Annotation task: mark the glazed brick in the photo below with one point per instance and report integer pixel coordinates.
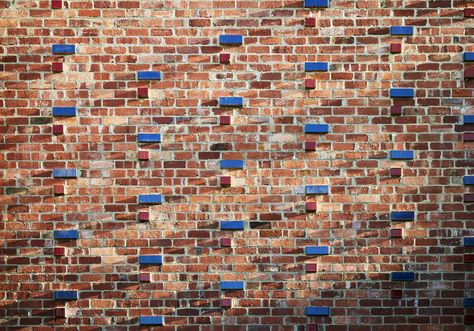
(317, 189)
(230, 39)
(316, 66)
(401, 30)
(64, 111)
(64, 49)
(468, 241)
(232, 225)
(149, 138)
(402, 93)
(468, 302)
(468, 119)
(316, 250)
(403, 276)
(66, 234)
(468, 56)
(65, 295)
(316, 3)
(150, 199)
(231, 101)
(316, 128)
(401, 155)
(150, 260)
(231, 285)
(402, 216)
(151, 320)
(65, 173)
(149, 75)
(317, 311)
(468, 180)
(232, 164)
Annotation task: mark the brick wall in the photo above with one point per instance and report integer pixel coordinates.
(237, 165)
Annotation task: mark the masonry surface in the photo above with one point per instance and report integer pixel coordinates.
(232, 165)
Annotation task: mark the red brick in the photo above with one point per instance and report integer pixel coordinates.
(310, 22)
(468, 12)
(468, 319)
(143, 155)
(224, 58)
(395, 172)
(396, 233)
(311, 267)
(56, 4)
(312, 327)
(310, 206)
(396, 110)
(57, 66)
(395, 48)
(224, 120)
(397, 294)
(59, 251)
(60, 312)
(58, 129)
(226, 302)
(468, 136)
(310, 146)
(468, 197)
(309, 83)
(144, 216)
(142, 92)
(144, 277)
(468, 258)
(226, 242)
(469, 73)
(226, 180)
(58, 189)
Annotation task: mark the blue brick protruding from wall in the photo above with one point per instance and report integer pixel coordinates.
(316, 128)
(402, 93)
(468, 119)
(317, 250)
(317, 311)
(231, 101)
(469, 241)
(232, 225)
(316, 3)
(64, 49)
(316, 66)
(150, 199)
(402, 155)
(151, 320)
(65, 295)
(469, 56)
(403, 276)
(149, 75)
(225, 285)
(317, 189)
(150, 259)
(229, 39)
(66, 234)
(149, 138)
(402, 215)
(401, 30)
(64, 111)
(468, 180)
(65, 173)
(468, 302)
(232, 164)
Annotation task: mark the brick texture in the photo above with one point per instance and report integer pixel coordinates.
(176, 42)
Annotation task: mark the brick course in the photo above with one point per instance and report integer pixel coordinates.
(150, 102)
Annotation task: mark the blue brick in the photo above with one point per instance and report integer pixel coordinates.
(317, 311)
(64, 111)
(316, 66)
(227, 39)
(64, 49)
(403, 276)
(402, 93)
(402, 155)
(65, 295)
(401, 30)
(150, 199)
(232, 164)
(151, 320)
(469, 56)
(150, 259)
(65, 173)
(316, 128)
(468, 180)
(66, 234)
(317, 189)
(468, 302)
(149, 137)
(232, 225)
(402, 215)
(316, 3)
(317, 250)
(149, 75)
(469, 241)
(468, 119)
(232, 286)
(231, 101)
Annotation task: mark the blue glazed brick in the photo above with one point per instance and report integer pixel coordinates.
(401, 155)
(232, 164)
(402, 215)
(468, 180)
(469, 241)
(468, 302)
(64, 49)
(151, 320)
(316, 66)
(150, 259)
(150, 199)
(401, 30)
(227, 39)
(232, 225)
(316, 128)
(232, 286)
(64, 111)
(317, 250)
(403, 276)
(317, 189)
(149, 75)
(65, 295)
(66, 234)
(149, 137)
(231, 101)
(402, 93)
(469, 56)
(468, 119)
(317, 311)
(316, 3)
(64, 173)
